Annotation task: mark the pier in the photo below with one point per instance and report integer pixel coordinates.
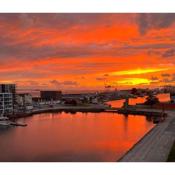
(142, 111)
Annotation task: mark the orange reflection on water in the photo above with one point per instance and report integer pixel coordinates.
(134, 101)
(73, 137)
(164, 97)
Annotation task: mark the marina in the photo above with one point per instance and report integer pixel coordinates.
(71, 126)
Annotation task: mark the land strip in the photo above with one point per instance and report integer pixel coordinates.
(155, 145)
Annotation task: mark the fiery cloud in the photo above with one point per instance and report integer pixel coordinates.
(56, 50)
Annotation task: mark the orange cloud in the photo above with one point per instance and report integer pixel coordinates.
(77, 50)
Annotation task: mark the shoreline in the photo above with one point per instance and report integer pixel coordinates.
(71, 109)
(133, 110)
(155, 145)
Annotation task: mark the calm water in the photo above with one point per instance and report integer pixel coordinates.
(73, 137)
(134, 101)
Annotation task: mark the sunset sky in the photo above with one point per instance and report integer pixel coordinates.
(87, 51)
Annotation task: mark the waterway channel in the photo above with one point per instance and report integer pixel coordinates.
(79, 137)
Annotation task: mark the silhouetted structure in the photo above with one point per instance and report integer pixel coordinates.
(51, 95)
(151, 100)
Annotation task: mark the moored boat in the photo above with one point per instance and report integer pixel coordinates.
(6, 122)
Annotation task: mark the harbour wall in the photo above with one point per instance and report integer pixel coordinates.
(155, 145)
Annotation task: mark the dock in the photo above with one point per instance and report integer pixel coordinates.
(142, 111)
(133, 110)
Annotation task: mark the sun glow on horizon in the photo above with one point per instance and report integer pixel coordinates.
(139, 71)
(134, 81)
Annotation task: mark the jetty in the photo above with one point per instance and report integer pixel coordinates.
(142, 111)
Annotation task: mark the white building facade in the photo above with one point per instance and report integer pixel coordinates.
(24, 101)
(7, 98)
(6, 103)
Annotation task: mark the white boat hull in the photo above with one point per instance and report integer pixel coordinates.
(4, 124)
